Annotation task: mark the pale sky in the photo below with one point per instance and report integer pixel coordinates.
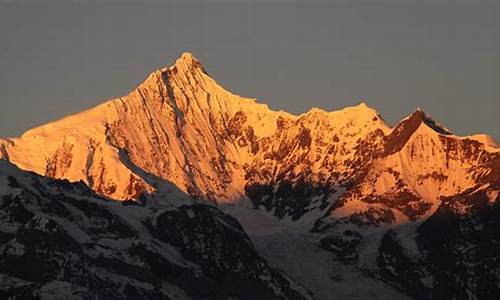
(444, 56)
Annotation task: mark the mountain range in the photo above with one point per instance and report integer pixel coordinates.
(182, 189)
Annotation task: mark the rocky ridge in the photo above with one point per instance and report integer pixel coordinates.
(356, 183)
(60, 239)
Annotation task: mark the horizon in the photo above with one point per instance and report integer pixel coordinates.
(361, 102)
(81, 54)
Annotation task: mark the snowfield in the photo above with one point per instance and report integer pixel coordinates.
(182, 182)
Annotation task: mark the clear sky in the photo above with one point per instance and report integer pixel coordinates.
(444, 56)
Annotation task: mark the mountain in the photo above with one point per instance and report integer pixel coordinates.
(176, 125)
(408, 211)
(430, 204)
(60, 239)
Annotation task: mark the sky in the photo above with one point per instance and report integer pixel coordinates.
(58, 58)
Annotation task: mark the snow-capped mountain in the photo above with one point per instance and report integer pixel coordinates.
(60, 239)
(375, 202)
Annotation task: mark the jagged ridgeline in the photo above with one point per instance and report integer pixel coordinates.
(403, 211)
(61, 240)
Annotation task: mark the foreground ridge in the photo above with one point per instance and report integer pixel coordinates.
(60, 239)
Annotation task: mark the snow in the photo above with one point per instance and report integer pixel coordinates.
(176, 121)
(488, 141)
(289, 246)
(171, 134)
(83, 138)
(59, 290)
(12, 248)
(492, 195)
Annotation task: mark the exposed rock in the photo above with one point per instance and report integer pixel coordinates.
(61, 239)
(379, 199)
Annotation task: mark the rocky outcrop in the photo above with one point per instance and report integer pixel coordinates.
(370, 195)
(60, 239)
(426, 207)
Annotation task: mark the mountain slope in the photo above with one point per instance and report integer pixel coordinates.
(174, 126)
(368, 196)
(427, 202)
(181, 126)
(61, 239)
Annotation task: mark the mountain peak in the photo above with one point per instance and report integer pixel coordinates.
(361, 109)
(188, 57)
(187, 62)
(419, 116)
(362, 104)
(403, 131)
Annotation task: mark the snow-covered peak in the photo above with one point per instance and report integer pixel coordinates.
(361, 108)
(181, 128)
(180, 134)
(420, 116)
(406, 128)
(417, 117)
(187, 62)
(360, 115)
(362, 105)
(485, 139)
(187, 57)
(185, 70)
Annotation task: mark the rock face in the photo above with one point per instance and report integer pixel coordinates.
(379, 200)
(178, 125)
(181, 126)
(62, 239)
(428, 203)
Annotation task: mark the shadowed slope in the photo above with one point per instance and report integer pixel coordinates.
(345, 171)
(61, 239)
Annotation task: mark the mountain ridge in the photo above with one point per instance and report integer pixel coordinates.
(60, 239)
(183, 88)
(343, 180)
